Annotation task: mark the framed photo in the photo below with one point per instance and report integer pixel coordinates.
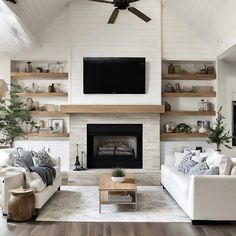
(56, 125)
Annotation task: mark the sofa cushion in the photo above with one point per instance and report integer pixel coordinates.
(34, 181)
(223, 162)
(23, 159)
(186, 164)
(198, 168)
(7, 156)
(41, 158)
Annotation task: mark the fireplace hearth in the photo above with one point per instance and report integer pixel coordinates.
(114, 145)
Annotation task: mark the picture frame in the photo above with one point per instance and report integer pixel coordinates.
(56, 125)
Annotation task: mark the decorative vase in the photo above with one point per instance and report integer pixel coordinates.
(118, 179)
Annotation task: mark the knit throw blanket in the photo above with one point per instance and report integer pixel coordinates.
(47, 173)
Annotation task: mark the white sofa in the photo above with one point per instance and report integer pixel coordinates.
(14, 177)
(202, 197)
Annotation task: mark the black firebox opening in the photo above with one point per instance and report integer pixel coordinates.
(114, 145)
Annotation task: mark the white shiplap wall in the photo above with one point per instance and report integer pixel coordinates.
(179, 42)
(91, 36)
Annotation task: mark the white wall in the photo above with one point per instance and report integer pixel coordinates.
(179, 42)
(5, 69)
(91, 36)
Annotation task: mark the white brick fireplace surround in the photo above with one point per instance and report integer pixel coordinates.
(149, 174)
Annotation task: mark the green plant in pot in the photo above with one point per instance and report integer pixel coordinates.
(13, 116)
(218, 135)
(118, 175)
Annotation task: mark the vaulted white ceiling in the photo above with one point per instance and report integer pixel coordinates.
(21, 24)
(212, 20)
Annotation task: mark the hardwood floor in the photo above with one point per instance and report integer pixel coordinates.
(114, 229)
(33, 228)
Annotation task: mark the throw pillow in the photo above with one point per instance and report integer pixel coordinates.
(7, 156)
(224, 163)
(34, 181)
(24, 159)
(215, 170)
(198, 168)
(186, 164)
(178, 157)
(41, 158)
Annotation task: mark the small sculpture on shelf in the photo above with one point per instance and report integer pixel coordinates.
(171, 69)
(167, 106)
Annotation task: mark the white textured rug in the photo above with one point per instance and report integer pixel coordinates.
(80, 204)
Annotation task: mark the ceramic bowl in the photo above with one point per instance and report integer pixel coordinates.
(118, 179)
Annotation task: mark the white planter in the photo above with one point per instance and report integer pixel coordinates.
(118, 179)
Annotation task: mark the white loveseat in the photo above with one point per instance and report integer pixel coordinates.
(14, 177)
(202, 197)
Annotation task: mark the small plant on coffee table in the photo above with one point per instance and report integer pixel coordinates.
(118, 175)
(118, 172)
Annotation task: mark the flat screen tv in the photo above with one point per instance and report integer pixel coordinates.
(114, 75)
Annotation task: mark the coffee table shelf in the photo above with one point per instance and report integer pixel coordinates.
(107, 186)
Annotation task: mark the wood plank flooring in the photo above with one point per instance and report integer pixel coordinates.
(114, 229)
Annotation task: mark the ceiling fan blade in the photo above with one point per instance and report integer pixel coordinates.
(132, 1)
(101, 1)
(139, 14)
(113, 16)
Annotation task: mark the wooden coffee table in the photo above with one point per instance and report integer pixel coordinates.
(109, 188)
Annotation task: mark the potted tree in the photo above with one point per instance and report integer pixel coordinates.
(218, 135)
(13, 115)
(118, 175)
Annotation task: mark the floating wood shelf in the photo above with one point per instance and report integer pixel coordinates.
(189, 76)
(47, 134)
(43, 76)
(112, 109)
(42, 94)
(47, 113)
(190, 113)
(192, 94)
(165, 136)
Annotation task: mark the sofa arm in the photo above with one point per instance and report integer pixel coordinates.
(213, 197)
(11, 181)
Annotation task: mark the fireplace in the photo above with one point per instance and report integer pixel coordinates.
(114, 145)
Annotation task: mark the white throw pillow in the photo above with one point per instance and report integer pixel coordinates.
(7, 156)
(34, 181)
(223, 162)
(178, 157)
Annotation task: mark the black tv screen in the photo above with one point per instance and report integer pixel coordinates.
(114, 75)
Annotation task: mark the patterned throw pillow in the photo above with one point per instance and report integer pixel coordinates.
(41, 158)
(186, 164)
(197, 169)
(214, 170)
(23, 159)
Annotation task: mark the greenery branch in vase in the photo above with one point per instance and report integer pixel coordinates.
(13, 116)
(118, 175)
(218, 135)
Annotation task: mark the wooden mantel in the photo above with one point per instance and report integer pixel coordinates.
(112, 109)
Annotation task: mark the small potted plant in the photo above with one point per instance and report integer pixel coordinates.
(118, 175)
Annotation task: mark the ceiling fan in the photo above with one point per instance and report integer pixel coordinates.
(13, 1)
(123, 5)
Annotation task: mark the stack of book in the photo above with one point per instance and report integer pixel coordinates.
(119, 198)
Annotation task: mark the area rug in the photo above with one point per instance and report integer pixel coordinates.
(80, 204)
